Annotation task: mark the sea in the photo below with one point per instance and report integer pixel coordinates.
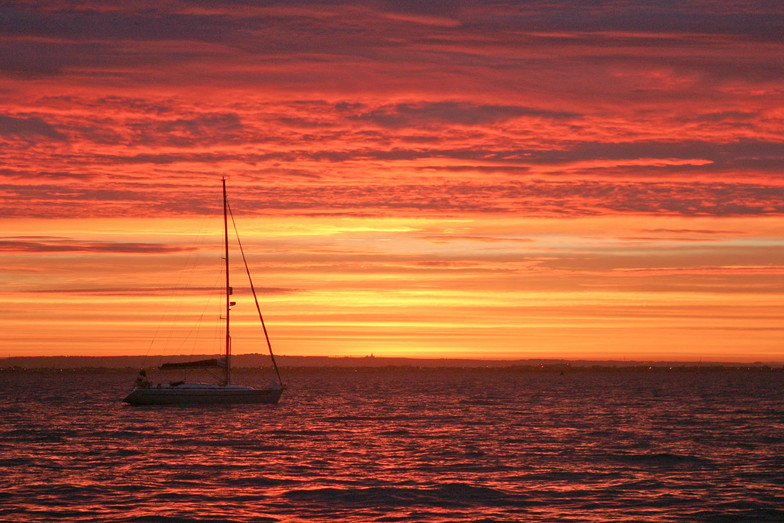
(400, 444)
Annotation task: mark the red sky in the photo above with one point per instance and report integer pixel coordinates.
(434, 179)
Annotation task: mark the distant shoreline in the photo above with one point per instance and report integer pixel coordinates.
(254, 361)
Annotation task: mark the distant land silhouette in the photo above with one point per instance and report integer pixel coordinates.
(251, 361)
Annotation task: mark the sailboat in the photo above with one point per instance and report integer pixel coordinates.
(224, 392)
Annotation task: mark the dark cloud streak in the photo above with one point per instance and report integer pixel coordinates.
(60, 246)
(28, 127)
(449, 112)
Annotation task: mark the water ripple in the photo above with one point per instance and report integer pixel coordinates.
(402, 445)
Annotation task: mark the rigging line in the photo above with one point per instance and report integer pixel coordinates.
(179, 290)
(253, 290)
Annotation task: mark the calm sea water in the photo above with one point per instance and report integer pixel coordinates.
(400, 445)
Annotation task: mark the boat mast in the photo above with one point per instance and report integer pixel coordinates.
(228, 288)
(255, 297)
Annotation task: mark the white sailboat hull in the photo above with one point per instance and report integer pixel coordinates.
(202, 394)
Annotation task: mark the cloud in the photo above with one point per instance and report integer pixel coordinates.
(149, 291)
(535, 198)
(448, 112)
(483, 239)
(190, 131)
(759, 20)
(572, 198)
(28, 128)
(721, 232)
(408, 107)
(95, 23)
(48, 245)
(34, 174)
(717, 156)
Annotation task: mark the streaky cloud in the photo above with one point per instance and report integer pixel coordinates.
(54, 245)
(146, 291)
(447, 112)
(29, 127)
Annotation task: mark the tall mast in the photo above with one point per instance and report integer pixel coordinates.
(228, 288)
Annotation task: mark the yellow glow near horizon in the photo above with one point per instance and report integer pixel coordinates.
(474, 287)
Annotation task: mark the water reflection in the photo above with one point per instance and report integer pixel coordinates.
(401, 444)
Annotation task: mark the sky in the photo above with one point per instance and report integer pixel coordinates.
(533, 179)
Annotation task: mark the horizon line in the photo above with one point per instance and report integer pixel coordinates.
(382, 359)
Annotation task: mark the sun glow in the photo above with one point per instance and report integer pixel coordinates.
(435, 186)
(478, 286)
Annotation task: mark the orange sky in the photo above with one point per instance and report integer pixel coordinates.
(427, 179)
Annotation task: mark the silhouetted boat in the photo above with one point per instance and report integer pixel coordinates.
(182, 393)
